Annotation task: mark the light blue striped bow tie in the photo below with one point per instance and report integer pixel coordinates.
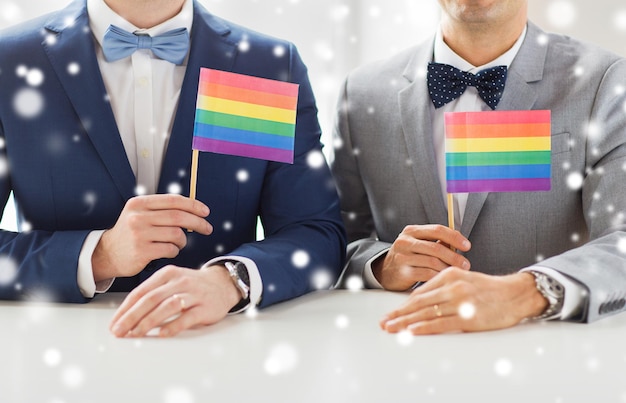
(171, 46)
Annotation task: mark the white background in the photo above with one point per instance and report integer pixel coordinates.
(334, 36)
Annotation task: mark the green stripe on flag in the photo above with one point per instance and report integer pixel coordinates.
(244, 123)
(498, 158)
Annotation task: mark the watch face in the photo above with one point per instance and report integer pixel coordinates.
(242, 272)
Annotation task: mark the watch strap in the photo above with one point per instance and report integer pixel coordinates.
(552, 291)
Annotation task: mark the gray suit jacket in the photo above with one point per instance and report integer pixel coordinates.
(385, 167)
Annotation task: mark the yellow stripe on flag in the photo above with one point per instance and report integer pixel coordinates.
(246, 109)
(498, 144)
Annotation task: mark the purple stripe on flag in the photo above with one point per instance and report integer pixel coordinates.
(242, 150)
(499, 185)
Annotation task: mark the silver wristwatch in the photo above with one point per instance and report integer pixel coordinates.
(552, 291)
(239, 275)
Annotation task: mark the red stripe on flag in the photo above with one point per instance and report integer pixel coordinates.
(248, 82)
(496, 117)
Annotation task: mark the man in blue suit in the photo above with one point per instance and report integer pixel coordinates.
(97, 142)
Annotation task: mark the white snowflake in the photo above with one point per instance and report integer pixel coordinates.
(140, 190)
(243, 176)
(8, 270)
(619, 20)
(593, 364)
(178, 394)
(244, 45)
(300, 259)
(324, 51)
(28, 103)
(542, 39)
(72, 376)
(321, 279)
(34, 77)
(21, 71)
(52, 357)
(227, 226)
(10, 12)
(73, 68)
(4, 166)
(252, 312)
(374, 11)
(279, 51)
(175, 188)
(503, 367)
(342, 321)
(575, 181)
(26, 226)
(467, 310)
(562, 13)
(405, 338)
(51, 39)
(338, 143)
(281, 358)
(354, 283)
(315, 159)
(339, 12)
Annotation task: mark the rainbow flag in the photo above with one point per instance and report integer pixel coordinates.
(245, 116)
(498, 151)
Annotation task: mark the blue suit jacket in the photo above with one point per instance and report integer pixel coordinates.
(70, 175)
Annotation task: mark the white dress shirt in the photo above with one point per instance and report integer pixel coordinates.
(470, 101)
(143, 92)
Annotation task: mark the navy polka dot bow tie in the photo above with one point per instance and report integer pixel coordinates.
(446, 83)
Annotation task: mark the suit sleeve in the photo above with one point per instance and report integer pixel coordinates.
(37, 265)
(304, 244)
(600, 265)
(355, 208)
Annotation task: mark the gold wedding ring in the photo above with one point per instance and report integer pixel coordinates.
(183, 306)
(437, 310)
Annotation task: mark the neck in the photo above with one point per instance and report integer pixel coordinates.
(146, 14)
(482, 43)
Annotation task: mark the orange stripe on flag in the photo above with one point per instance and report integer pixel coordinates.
(247, 96)
(481, 131)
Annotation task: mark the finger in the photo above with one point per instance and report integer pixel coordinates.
(435, 232)
(196, 316)
(156, 281)
(178, 219)
(170, 309)
(170, 202)
(429, 255)
(445, 324)
(417, 302)
(427, 313)
(135, 312)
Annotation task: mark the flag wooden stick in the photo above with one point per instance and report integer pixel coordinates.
(194, 177)
(451, 213)
(194, 174)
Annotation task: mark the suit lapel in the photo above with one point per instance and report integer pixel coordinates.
(527, 67)
(68, 41)
(414, 103)
(209, 48)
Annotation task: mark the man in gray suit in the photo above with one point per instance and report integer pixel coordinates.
(559, 254)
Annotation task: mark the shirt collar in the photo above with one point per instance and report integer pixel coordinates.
(443, 54)
(101, 16)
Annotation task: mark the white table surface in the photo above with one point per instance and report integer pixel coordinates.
(324, 347)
